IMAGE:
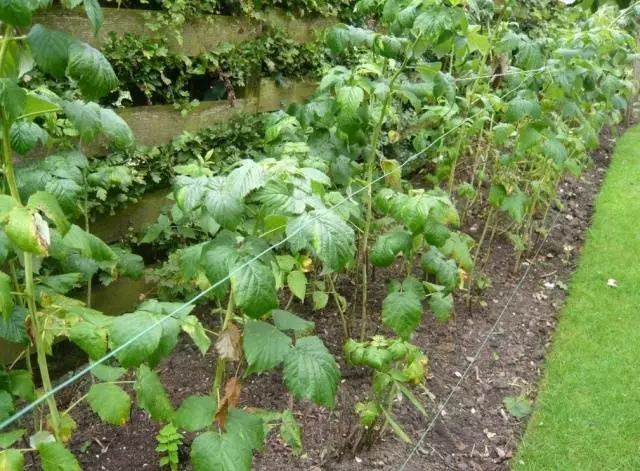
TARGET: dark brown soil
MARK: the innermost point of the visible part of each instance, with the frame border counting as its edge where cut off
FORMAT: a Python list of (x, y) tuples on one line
[(473, 432)]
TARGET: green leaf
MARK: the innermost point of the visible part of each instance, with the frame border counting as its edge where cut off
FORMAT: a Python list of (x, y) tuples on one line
[(6, 405), (290, 432), (442, 305), (151, 394), (13, 329), (223, 203), (90, 339), (22, 231), (91, 70), (310, 372), (11, 460), (194, 329), (444, 269), (110, 402), (247, 177), (517, 406), (36, 106), (25, 135), (50, 49), (265, 347), (48, 204), (254, 289), (55, 457), (520, 108), (247, 426), (94, 13), (349, 98), (195, 413), (285, 320), (402, 312), (324, 232), (22, 385), (478, 42), (12, 98), (389, 245), (116, 129), (15, 12), (220, 452), (337, 39), (107, 373), (88, 245), (6, 300), (458, 247), (319, 300), (85, 117), (515, 205), (128, 326), (9, 438), (501, 133), (297, 283)]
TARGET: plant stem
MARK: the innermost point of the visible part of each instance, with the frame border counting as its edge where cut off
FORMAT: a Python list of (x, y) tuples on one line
[(29, 288), (221, 362), (345, 328)]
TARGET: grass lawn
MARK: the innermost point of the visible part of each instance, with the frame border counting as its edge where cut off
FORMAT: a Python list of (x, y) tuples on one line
[(587, 416)]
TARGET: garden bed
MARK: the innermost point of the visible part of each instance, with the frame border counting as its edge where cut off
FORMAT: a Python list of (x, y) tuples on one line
[(474, 432)]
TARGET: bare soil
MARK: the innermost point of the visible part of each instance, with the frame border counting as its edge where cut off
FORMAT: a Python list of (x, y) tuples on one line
[(474, 432)]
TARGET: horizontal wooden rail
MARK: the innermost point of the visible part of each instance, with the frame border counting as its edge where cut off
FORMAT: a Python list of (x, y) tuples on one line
[(199, 35)]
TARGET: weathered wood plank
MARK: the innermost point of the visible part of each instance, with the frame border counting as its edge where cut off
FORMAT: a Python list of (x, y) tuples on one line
[(199, 35)]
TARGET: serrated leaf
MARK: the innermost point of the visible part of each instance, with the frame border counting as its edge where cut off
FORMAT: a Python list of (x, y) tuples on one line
[(94, 13), (515, 205), (326, 234), (444, 269), (402, 312), (90, 339), (195, 413), (221, 452), (517, 406), (151, 394), (47, 204), (319, 300), (297, 283), (218, 257), (285, 320), (22, 385), (88, 245), (128, 326), (50, 49), (310, 372), (13, 329), (9, 438), (501, 132), (12, 99), (6, 300), (107, 373), (265, 347), (55, 457), (458, 248), (6, 405), (520, 108), (223, 203), (22, 231), (247, 177), (194, 329), (441, 305), (36, 106), (110, 402), (389, 245), (91, 70), (290, 432), (25, 135), (11, 460), (349, 98), (85, 117), (116, 129), (228, 344), (254, 289), (15, 12)]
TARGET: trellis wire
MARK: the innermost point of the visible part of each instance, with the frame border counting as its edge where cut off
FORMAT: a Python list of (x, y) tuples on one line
[(199, 296)]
